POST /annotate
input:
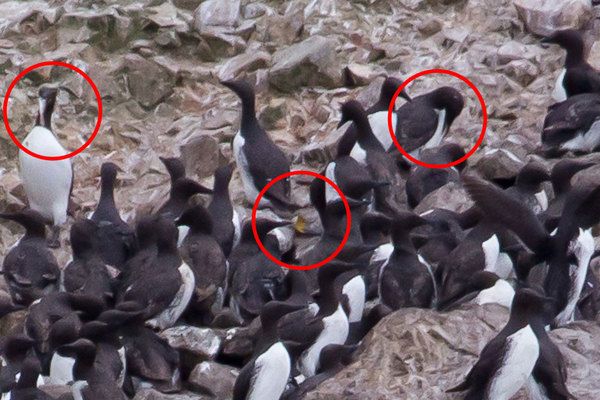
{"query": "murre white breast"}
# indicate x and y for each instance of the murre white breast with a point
(270, 366)
(335, 331)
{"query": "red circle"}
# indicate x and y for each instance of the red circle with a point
(25, 72)
(335, 252)
(483, 126)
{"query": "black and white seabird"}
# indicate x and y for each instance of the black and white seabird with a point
(561, 175)
(572, 125)
(330, 325)
(483, 287)
(377, 114)
(567, 251)
(577, 75)
(87, 273)
(507, 361)
(161, 284)
(226, 220)
(93, 380)
(527, 188)
(48, 184)
(205, 257)
(27, 386)
(351, 177)
(332, 360)
(423, 181)
(29, 268)
(150, 359)
(266, 375)
(333, 220)
(174, 167)
(181, 191)
(549, 377)
(404, 280)
(425, 120)
(256, 281)
(370, 153)
(116, 240)
(15, 350)
(251, 147)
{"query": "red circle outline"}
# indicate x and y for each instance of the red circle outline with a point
(14, 83)
(483, 109)
(335, 252)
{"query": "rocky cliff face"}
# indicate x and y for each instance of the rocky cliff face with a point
(157, 64)
(415, 354)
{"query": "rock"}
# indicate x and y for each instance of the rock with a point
(451, 196)
(246, 62)
(148, 83)
(513, 50)
(312, 62)
(499, 164)
(214, 379)
(202, 342)
(437, 348)
(187, 4)
(522, 71)
(217, 13)
(414, 354)
(456, 34)
(273, 113)
(361, 74)
(222, 42)
(239, 342)
(543, 17)
(55, 391)
(151, 394)
(282, 30)
(166, 15)
(13, 323)
(201, 155)
(430, 26)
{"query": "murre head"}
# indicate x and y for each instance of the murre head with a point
(352, 110)
(527, 304)
(403, 223)
(108, 172)
(246, 94)
(334, 355)
(375, 227)
(449, 99)
(145, 231)
(563, 171)
(263, 227)
(273, 311)
(16, 346)
(166, 235)
(81, 349)
(33, 222)
(83, 235)
(174, 167)
(532, 174)
(453, 152)
(223, 177)
(388, 89)
(47, 100)
(65, 330)
(185, 188)
(197, 218)
(572, 41)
